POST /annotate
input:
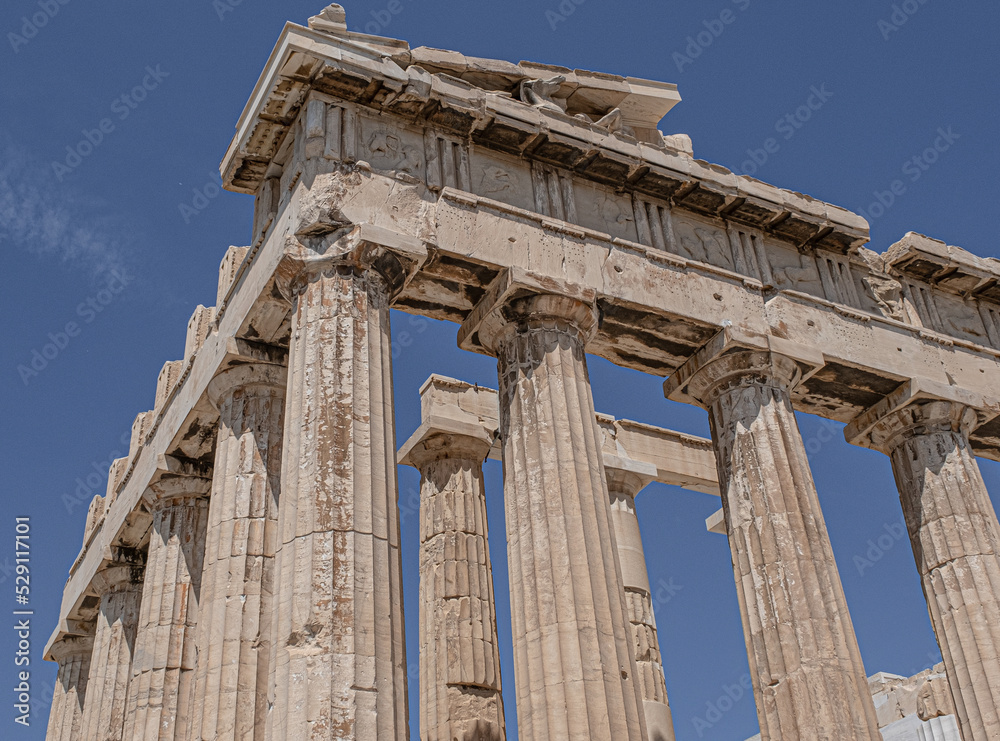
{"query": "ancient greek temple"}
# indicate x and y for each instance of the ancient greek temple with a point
(242, 578)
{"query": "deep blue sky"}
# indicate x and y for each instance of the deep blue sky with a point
(119, 210)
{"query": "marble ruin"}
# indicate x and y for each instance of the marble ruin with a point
(242, 578)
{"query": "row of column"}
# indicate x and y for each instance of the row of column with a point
(300, 623)
(256, 615)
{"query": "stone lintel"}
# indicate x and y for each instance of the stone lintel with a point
(244, 352)
(514, 283)
(916, 391)
(450, 406)
(716, 523)
(641, 472)
(673, 458)
(732, 340)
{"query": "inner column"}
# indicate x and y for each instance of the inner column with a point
(460, 694)
(623, 486)
(809, 680)
(574, 668)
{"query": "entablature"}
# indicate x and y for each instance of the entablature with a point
(307, 64)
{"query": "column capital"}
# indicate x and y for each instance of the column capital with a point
(225, 383)
(440, 438)
(124, 571)
(176, 479)
(173, 489)
(318, 249)
(69, 646)
(458, 420)
(919, 407)
(735, 358)
(626, 476)
(518, 300)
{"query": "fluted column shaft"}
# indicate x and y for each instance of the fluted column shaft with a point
(339, 669)
(105, 706)
(460, 692)
(956, 544)
(573, 665)
(234, 636)
(623, 487)
(809, 680)
(161, 688)
(73, 656)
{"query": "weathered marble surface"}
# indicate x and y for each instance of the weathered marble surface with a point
(161, 689)
(451, 174)
(66, 714)
(955, 536)
(460, 687)
(623, 486)
(106, 704)
(575, 673)
(234, 635)
(807, 672)
(338, 657)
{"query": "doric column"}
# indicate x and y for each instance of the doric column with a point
(573, 665)
(808, 677)
(460, 693)
(72, 654)
(955, 537)
(339, 670)
(623, 486)
(234, 636)
(119, 586)
(161, 688)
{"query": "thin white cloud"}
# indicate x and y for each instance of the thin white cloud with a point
(40, 216)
